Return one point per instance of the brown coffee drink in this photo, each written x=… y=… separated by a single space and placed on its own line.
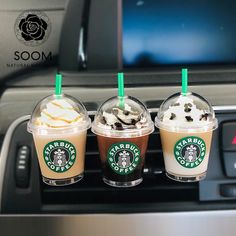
x=122 y=134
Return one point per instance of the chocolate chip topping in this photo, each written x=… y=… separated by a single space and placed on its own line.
x=204 y=116
x=189 y=118
x=103 y=120
x=118 y=126
x=115 y=112
x=126 y=113
x=187 y=107
x=172 y=116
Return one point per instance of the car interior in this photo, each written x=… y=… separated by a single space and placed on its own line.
x=88 y=42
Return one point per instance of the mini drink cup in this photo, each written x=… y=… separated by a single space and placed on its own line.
x=59 y=126
x=186 y=122
x=122 y=125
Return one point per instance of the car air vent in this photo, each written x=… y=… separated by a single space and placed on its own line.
x=156 y=194
x=156 y=187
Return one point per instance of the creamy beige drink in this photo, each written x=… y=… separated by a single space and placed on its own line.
x=186 y=123
x=59 y=126
x=191 y=167
x=67 y=171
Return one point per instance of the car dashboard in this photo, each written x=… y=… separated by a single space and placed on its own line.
x=158 y=205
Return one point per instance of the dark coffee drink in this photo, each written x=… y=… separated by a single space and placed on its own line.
x=122 y=133
x=122 y=159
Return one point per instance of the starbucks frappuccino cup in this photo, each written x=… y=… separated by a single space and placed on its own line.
x=59 y=126
x=122 y=125
x=186 y=122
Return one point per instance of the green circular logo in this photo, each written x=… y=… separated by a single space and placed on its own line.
x=59 y=155
x=123 y=157
x=190 y=151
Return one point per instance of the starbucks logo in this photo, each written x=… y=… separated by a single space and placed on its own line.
x=190 y=151
x=123 y=157
x=59 y=155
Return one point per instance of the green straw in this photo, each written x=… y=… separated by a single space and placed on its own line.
x=184 y=82
x=58 y=86
x=121 y=91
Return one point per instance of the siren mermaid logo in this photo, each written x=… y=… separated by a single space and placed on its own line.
x=59 y=155
x=190 y=151
x=123 y=157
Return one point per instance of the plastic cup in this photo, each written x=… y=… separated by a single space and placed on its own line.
x=59 y=126
x=186 y=122
x=122 y=126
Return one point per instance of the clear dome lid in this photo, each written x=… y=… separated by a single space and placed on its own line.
x=186 y=113
x=59 y=112
x=122 y=117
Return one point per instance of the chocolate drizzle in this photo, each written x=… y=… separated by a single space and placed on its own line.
x=120 y=119
x=133 y=121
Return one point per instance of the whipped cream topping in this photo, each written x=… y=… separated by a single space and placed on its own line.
x=185 y=113
x=58 y=113
x=122 y=118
